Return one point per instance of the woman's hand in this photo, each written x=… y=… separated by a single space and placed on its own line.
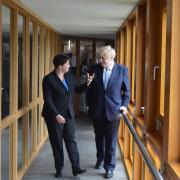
x=90 y=78
x=60 y=119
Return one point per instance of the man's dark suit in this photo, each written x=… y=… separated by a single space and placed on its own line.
x=104 y=110
x=59 y=100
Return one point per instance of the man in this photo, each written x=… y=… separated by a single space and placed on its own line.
x=107 y=96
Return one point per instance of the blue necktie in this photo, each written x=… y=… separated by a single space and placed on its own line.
x=106 y=79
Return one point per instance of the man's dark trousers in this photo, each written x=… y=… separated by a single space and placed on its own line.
x=106 y=134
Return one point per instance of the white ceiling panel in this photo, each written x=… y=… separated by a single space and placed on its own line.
x=83 y=17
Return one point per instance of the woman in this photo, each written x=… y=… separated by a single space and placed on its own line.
x=58 y=112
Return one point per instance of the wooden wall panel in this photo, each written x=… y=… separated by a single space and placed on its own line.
x=122 y=47
x=118 y=47
x=137 y=165
x=129 y=46
x=157 y=44
x=153 y=54
x=140 y=58
x=133 y=74
x=172 y=113
x=15 y=113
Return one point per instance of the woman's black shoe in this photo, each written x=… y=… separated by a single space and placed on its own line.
x=78 y=171
x=58 y=174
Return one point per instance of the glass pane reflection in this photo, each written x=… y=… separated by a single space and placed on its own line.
x=5 y=154
x=20 y=144
x=5 y=61
x=30 y=54
x=20 y=60
x=30 y=134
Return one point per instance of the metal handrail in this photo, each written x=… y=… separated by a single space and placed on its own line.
x=142 y=150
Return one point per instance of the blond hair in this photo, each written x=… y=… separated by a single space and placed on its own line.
x=107 y=52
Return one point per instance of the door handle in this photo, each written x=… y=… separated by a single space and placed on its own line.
x=154 y=72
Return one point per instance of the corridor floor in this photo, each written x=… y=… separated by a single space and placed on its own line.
x=42 y=167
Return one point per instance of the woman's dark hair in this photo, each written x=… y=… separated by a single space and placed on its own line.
x=60 y=59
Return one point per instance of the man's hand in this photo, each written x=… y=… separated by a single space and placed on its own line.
x=60 y=119
x=90 y=78
x=123 y=109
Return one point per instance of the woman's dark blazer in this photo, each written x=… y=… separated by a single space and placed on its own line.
x=57 y=99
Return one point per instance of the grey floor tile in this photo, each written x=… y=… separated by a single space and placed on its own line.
x=43 y=166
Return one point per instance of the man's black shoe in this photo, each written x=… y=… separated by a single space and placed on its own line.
x=108 y=174
x=98 y=165
x=78 y=171
x=58 y=174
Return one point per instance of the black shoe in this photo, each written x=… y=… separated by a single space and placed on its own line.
x=98 y=165
x=58 y=174
x=108 y=174
x=78 y=171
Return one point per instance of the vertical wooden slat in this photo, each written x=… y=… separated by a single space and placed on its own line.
x=118 y=47
x=173 y=114
x=163 y=62
x=51 y=50
x=140 y=58
x=13 y=93
x=40 y=81
x=147 y=174
x=26 y=80
x=47 y=53
x=137 y=165
x=34 y=84
x=122 y=49
x=128 y=62
x=133 y=75
x=166 y=137
x=47 y=59
x=126 y=142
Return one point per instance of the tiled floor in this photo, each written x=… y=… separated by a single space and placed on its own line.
x=43 y=166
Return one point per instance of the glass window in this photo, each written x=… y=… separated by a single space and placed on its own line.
x=86 y=56
x=20 y=59
x=30 y=54
x=38 y=75
x=5 y=154
x=69 y=46
x=38 y=124
x=30 y=134
x=5 y=88
x=20 y=143
x=45 y=52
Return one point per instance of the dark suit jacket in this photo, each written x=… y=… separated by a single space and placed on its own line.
x=106 y=103
x=57 y=99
